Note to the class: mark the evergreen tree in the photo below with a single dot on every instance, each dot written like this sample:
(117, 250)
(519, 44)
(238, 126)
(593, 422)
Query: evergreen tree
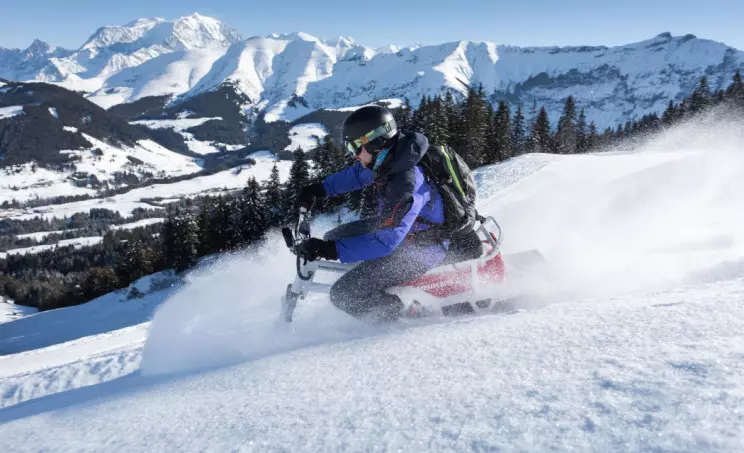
(492, 152)
(168, 235)
(207, 244)
(420, 117)
(273, 198)
(185, 252)
(437, 130)
(533, 113)
(566, 138)
(628, 130)
(607, 137)
(253, 212)
(540, 138)
(475, 124)
(137, 261)
(299, 177)
(451, 113)
(221, 231)
(735, 91)
(322, 167)
(701, 98)
(403, 116)
(670, 114)
(518, 132)
(619, 132)
(581, 133)
(682, 110)
(502, 129)
(97, 282)
(592, 139)
(235, 223)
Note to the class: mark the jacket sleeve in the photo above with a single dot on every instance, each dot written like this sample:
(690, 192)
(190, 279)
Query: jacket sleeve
(403, 200)
(353, 178)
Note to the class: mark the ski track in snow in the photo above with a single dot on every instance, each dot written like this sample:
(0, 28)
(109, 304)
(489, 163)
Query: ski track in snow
(633, 342)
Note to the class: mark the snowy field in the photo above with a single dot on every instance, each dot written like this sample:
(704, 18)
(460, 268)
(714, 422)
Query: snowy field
(633, 342)
(233, 178)
(27, 182)
(9, 112)
(306, 136)
(77, 242)
(180, 126)
(39, 236)
(10, 312)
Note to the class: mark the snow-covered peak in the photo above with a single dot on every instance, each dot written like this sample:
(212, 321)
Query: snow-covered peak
(38, 48)
(185, 33)
(294, 36)
(342, 42)
(388, 49)
(197, 32)
(110, 35)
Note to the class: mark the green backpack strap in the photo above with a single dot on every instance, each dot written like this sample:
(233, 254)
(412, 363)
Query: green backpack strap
(451, 170)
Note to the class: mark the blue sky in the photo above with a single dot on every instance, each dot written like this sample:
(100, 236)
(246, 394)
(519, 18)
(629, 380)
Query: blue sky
(403, 22)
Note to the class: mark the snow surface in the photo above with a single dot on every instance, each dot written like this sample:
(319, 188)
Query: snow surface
(38, 236)
(177, 125)
(9, 112)
(392, 103)
(11, 312)
(633, 342)
(180, 125)
(77, 242)
(307, 136)
(138, 224)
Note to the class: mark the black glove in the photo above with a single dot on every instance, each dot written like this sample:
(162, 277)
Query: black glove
(315, 248)
(307, 195)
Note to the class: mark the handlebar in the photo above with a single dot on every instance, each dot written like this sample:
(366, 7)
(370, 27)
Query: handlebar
(295, 239)
(301, 233)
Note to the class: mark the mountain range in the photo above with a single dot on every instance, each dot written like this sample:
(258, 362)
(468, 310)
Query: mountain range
(287, 76)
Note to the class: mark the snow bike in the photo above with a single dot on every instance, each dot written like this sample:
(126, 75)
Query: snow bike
(464, 287)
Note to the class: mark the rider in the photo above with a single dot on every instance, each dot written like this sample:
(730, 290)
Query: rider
(394, 247)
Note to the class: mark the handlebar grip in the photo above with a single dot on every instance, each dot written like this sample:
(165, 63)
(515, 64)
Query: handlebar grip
(299, 270)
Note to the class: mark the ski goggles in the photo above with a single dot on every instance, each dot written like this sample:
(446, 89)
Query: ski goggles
(354, 147)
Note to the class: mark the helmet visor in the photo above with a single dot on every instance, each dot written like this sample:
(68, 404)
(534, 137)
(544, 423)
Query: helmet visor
(354, 147)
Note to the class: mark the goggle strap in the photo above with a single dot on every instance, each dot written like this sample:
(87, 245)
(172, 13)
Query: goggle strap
(372, 135)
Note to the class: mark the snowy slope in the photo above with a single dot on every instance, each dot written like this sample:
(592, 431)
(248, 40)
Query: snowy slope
(10, 311)
(26, 182)
(180, 126)
(175, 72)
(76, 242)
(634, 343)
(112, 49)
(125, 203)
(307, 136)
(42, 234)
(9, 112)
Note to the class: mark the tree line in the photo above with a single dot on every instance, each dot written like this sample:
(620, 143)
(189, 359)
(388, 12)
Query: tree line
(485, 134)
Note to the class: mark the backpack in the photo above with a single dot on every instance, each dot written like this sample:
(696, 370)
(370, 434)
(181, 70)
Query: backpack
(454, 179)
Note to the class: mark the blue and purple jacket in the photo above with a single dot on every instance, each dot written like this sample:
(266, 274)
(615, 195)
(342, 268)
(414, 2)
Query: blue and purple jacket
(408, 204)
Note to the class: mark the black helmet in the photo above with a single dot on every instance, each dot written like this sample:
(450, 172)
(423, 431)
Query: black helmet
(372, 127)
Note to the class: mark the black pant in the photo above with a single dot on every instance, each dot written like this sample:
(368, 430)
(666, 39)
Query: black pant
(361, 291)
